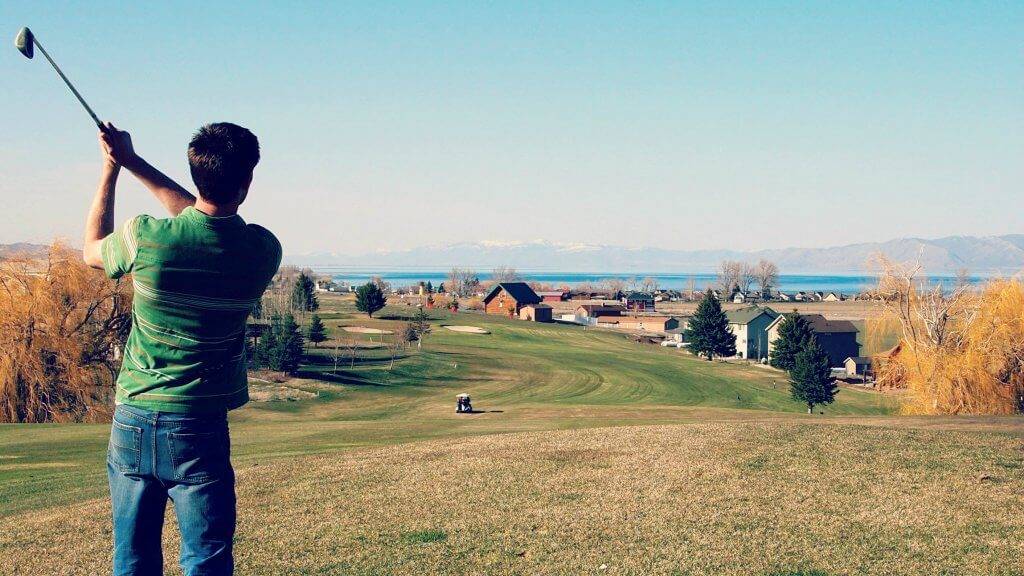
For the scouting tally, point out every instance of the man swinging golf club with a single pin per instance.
(196, 277)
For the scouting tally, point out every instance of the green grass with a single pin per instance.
(467, 495)
(526, 376)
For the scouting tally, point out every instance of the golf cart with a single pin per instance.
(462, 405)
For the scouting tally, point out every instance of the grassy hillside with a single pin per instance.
(779, 497)
(524, 376)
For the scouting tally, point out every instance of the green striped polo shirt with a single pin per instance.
(196, 278)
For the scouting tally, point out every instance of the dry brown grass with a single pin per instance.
(710, 498)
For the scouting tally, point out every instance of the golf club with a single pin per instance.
(26, 43)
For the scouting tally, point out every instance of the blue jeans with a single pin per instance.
(154, 456)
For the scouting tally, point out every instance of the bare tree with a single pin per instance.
(615, 285)
(729, 273)
(649, 285)
(505, 274)
(767, 277)
(461, 281)
(748, 274)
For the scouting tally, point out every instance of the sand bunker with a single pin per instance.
(467, 329)
(365, 330)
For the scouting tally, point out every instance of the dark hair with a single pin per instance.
(221, 157)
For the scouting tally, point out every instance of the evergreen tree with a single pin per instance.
(370, 298)
(430, 287)
(304, 294)
(288, 354)
(317, 332)
(421, 323)
(794, 335)
(267, 345)
(708, 331)
(810, 380)
(440, 289)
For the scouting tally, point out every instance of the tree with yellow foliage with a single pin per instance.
(961, 349)
(62, 326)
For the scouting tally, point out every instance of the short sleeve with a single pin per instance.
(119, 249)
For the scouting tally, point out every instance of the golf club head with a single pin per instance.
(23, 42)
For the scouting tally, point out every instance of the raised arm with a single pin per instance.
(167, 191)
(100, 221)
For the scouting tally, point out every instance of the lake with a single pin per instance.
(848, 284)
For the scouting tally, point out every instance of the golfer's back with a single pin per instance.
(196, 278)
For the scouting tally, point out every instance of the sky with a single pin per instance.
(384, 126)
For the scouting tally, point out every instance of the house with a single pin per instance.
(783, 297)
(508, 298)
(858, 366)
(749, 325)
(639, 323)
(553, 295)
(833, 297)
(838, 338)
(638, 301)
(326, 285)
(536, 313)
(739, 298)
(595, 310)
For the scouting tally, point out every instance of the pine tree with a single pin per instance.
(810, 380)
(421, 323)
(430, 287)
(267, 345)
(288, 354)
(317, 332)
(370, 298)
(440, 289)
(794, 335)
(708, 331)
(304, 294)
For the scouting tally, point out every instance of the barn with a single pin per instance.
(508, 298)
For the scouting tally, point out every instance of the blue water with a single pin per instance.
(847, 284)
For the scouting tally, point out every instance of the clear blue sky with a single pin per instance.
(686, 125)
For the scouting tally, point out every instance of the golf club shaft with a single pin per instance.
(70, 85)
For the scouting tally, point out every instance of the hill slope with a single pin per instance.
(712, 498)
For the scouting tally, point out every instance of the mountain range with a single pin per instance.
(948, 255)
(985, 254)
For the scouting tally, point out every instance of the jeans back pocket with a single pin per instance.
(124, 452)
(199, 456)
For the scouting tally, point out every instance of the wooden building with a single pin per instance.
(536, 313)
(638, 302)
(508, 298)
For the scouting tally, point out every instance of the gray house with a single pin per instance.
(750, 326)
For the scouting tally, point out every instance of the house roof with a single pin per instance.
(536, 306)
(596, 309)
(821, 325)
(520, 291)
(638, 296)
(558, 293)
(747, 314)
(861, 360)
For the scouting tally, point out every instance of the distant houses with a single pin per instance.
(553, 295)
(750, 325)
